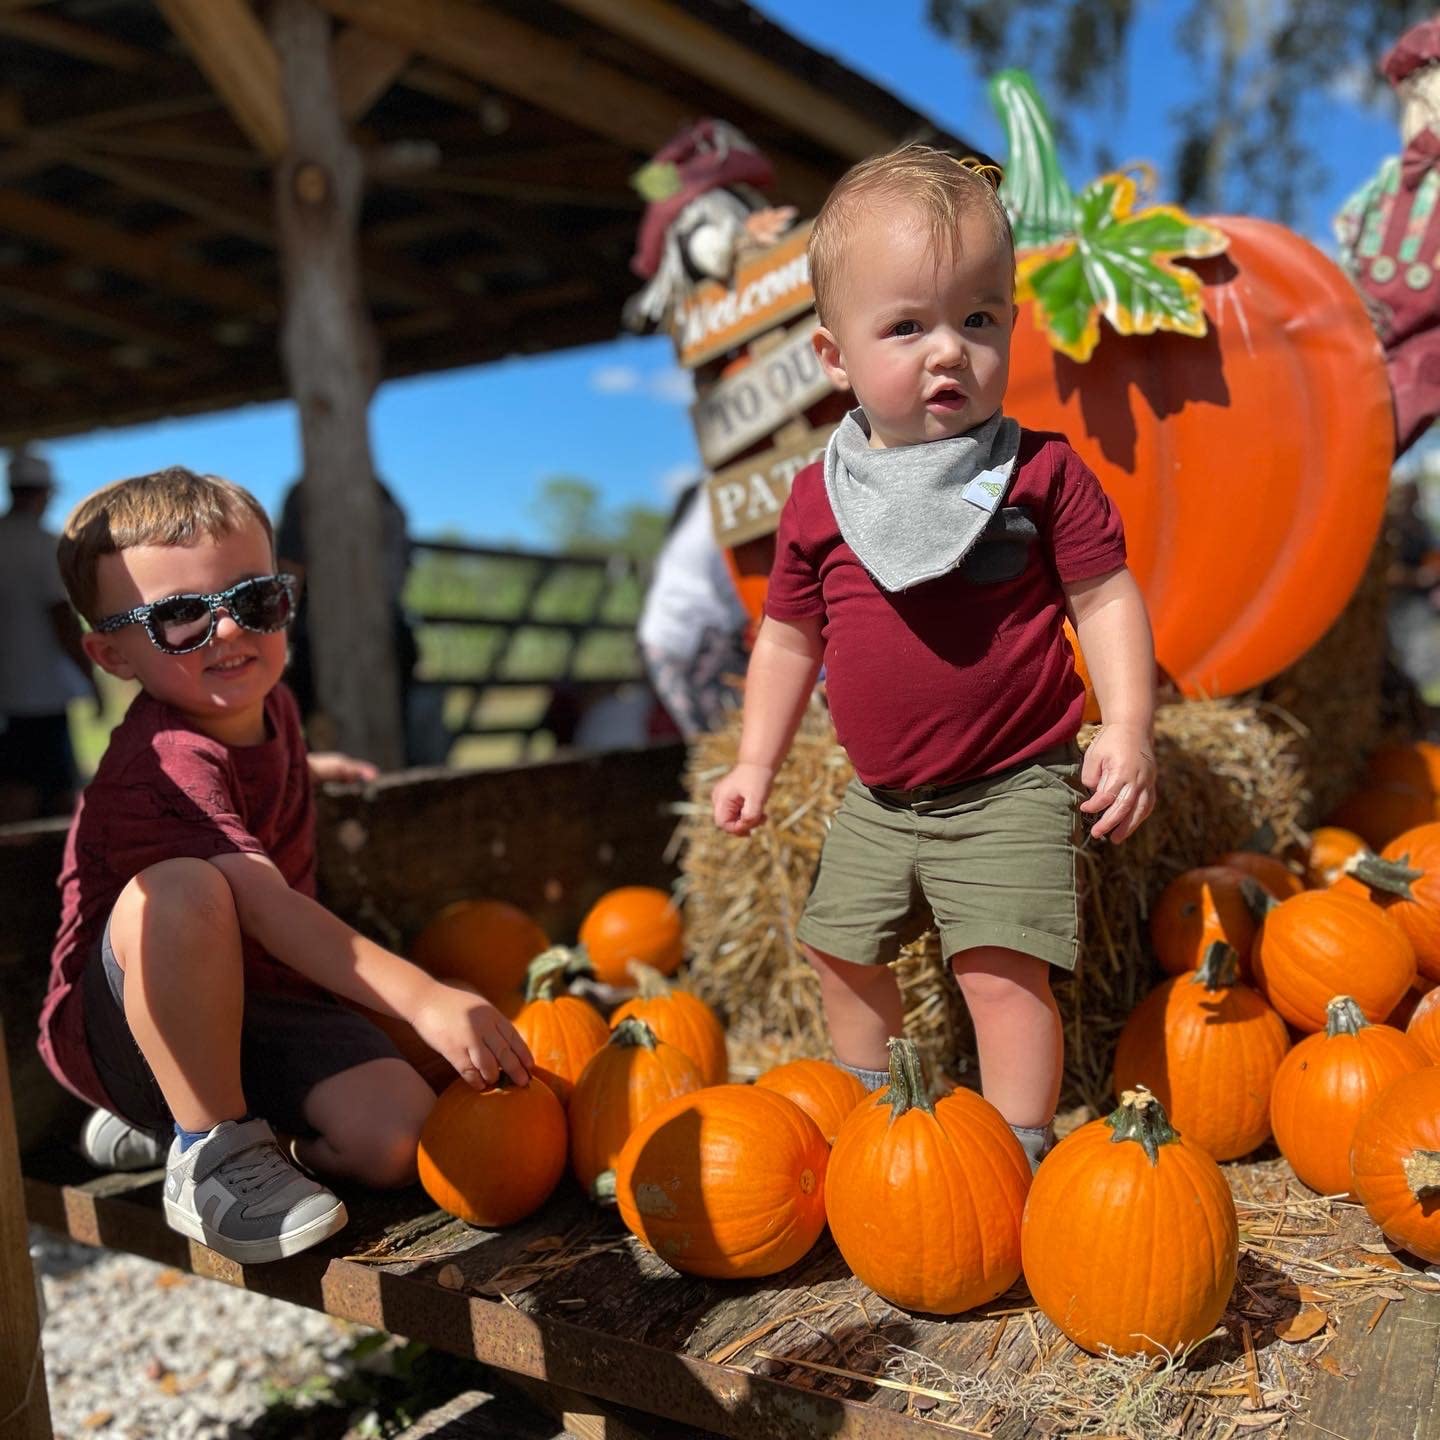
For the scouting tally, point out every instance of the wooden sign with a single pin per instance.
(746, 499)
(769, 287)
(756, 401)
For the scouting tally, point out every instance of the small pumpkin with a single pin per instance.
(1127, 1196)
(1424, 1026)
(1330, 847)
(628, 1078)
(925, 1196)
(492, 1157)
(1325, 1083)
(1209, 1047)
(1201, 906)
(487, 944)
(727, 1182)
(633, 923)
(1404, 881)
(681, 1019)
(1323, 943)
(1395, 1162)
(1274, 875)
(825, 1092)
(562, 1031)
(1398, 793)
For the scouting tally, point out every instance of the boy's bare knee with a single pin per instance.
(169, 903)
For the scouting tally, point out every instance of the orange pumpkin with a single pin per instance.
(1199, 907)
(562, 1031)
(1274, 875)
(636, 923)
(1404, 881)
(1395, 1162)
(925, 1196)
(1323, 943)
(1290, 351)
(825, 1092)
(727, 1182)
(1325, 1083)
(1330, 848)
(1424, 1026)
(1208, 1047)
(1129, 1197)
(1399, 792)
(492, 1157)
(680, 1019)
(486, 943)
(628, 1078)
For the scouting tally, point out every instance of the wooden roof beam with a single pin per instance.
(45, 294)
(549, 73)
(228, 43)
(52, 32)
(366, 66)
(712, 56)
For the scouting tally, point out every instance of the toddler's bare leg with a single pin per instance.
(176, 936)
(1017, 1031)
(862, 1008)
(369, 1119)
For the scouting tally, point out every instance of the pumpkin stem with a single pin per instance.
(1394, 877)
(633, 1031)
(651, 984)
(1220, 968)
(1258, 900)
(1141, 1117)
(1344, 1017)
(1034, 190)
(1422, 1173)
(602, 1188)
(909, 1086)
(549, 970)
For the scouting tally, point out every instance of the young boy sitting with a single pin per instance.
(930, 561)
(194, 977)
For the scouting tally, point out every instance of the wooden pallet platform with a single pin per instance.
(567, 1298)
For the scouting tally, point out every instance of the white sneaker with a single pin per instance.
(235, 1192)
(109, 1143)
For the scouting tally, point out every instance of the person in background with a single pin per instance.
(692, 627)
(42, 663)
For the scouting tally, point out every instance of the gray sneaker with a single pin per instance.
(109, 1143)
(235, 1192)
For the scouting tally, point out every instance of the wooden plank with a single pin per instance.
(756, 401)
(366, 66)
(747, 497)
(230, 46)
(688, 42)
(53, 32)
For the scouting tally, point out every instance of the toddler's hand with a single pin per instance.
(739, 799)
(1119, 768)
(332, 765)
(473, 1036)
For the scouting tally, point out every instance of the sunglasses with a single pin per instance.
(179, 624)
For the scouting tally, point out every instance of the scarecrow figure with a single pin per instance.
(1389, 234)
(703, 190)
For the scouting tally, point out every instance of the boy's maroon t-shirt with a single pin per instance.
(164, 791)
(968, 674)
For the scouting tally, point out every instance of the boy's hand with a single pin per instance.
(739, 799)
(473, 1036)
(332, 765)
(1119, 768)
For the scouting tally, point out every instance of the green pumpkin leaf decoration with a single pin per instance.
(1119, 264)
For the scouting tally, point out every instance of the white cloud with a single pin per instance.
(669, 387)
(674, 386)
(617, 380)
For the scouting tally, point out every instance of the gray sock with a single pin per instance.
(872, 1080)
(1037, 1141)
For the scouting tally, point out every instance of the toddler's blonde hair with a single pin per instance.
(942, 186)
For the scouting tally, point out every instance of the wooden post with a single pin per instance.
(332, 359)
(24, 1403)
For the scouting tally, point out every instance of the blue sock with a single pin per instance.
(189, 1137)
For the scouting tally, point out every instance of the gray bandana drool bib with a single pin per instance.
(911, 514)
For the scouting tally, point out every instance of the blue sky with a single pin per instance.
(467, 450)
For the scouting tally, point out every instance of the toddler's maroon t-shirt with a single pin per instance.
(164, 791)
(968, 674)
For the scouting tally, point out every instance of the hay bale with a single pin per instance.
(1251, 771)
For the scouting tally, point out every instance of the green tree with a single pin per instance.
(1242, 144)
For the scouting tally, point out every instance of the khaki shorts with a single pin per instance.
(989, 863)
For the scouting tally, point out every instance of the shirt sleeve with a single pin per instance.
(1087, 536)
(793, 592)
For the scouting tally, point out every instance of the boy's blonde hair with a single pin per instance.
(943, 187)
(168, 507)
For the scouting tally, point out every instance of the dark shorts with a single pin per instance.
(989, 863)
(288, 1045)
